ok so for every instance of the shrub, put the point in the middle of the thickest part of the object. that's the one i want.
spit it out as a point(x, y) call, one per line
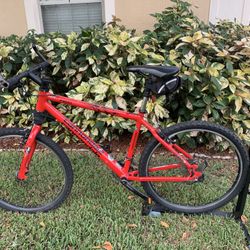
point(214, 62)
point(88, 66)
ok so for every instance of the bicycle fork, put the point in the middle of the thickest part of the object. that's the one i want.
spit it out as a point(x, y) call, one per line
point(29, 150)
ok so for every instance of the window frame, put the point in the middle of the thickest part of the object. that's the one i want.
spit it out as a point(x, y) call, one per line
point(215, 7)
point(34, 13)
point(55, 2)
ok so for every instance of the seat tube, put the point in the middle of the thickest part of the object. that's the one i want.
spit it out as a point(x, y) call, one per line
point(29, 150)
point(132, 146)
point(146, 95)
point(143, 108)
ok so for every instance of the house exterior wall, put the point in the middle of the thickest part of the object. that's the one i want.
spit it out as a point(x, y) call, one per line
point(135, 14)
point(12, 18)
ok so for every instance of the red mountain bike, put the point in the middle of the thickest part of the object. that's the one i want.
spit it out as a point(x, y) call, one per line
point(191, 167)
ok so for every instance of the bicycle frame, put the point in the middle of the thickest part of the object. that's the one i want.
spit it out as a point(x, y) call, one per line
point(44, 105)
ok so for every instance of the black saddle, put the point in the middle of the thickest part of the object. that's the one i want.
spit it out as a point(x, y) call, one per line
point(158, 71)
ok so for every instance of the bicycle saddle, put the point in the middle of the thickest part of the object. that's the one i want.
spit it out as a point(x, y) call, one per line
point(158, 71)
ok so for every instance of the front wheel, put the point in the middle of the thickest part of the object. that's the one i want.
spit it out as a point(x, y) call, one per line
point(50, 175)
point(220, 155)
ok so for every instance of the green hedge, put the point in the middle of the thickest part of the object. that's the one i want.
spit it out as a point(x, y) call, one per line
point(91, 66)
point(215, 64)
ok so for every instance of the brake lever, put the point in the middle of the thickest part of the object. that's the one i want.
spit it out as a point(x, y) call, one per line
point(38, 52)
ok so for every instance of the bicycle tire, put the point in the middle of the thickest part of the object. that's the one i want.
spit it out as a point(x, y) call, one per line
point(179, 132)
point(40, 175)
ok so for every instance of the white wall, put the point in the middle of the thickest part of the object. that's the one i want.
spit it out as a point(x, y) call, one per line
point(230, 9)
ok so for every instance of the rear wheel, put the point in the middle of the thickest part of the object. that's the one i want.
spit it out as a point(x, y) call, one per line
point(49, 179)
point(221, 158)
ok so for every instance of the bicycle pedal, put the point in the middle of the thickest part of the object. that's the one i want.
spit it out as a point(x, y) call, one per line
point(149, 210)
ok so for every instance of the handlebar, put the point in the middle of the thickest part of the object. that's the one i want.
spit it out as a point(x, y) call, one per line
point(14, 82)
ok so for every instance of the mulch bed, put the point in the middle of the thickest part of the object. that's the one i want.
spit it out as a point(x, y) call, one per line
point(120, 145)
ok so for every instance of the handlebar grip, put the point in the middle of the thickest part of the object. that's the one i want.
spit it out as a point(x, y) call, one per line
point(38, 52)
point(34, 47)
point(14, 82)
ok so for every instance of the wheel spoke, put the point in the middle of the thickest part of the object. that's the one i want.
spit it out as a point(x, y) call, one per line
point(219, 155)
point(46, 185)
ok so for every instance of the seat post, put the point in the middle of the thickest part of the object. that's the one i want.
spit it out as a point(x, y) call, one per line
point(146, 95)
point(144, 105)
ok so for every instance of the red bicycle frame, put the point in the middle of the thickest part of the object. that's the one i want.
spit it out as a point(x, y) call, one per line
point(44, 105)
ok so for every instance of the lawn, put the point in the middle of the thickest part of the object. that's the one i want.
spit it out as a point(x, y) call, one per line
point(101, 210)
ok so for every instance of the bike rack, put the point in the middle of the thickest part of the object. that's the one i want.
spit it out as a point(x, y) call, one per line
point(155, 210)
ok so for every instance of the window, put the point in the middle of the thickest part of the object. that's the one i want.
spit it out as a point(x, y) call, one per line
point(70, 15)
point(67, 15)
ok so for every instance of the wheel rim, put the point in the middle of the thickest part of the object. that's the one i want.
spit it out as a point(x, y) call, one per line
point(220, 181)
point(46, 177)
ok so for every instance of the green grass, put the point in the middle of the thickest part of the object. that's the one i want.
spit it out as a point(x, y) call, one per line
point(99, 209)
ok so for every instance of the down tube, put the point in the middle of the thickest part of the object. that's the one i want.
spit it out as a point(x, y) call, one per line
point(100, 152)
